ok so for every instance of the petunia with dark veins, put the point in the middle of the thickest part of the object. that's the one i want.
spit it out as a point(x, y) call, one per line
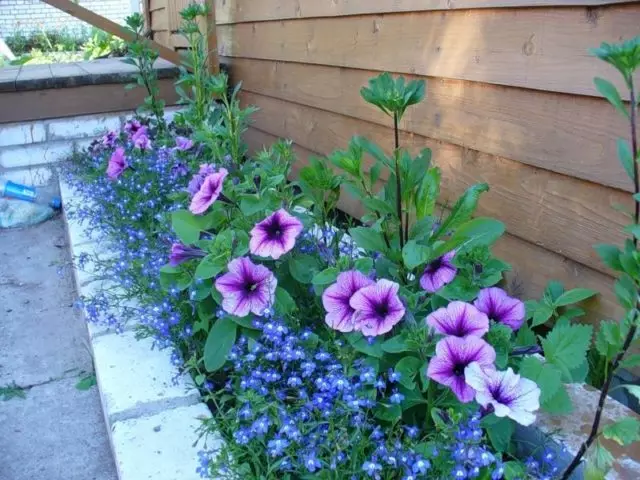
point(459, 319)
point(246, 288)
point(438, 273)
point(500, 307)
point(377, 308)
point(335, 300)
point(275, 235)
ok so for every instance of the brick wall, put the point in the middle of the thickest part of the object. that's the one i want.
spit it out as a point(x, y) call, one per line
point(29, 15)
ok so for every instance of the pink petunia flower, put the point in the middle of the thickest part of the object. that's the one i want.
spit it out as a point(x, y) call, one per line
point(209, 192)
point(377, 308)
point(117, 164)
point(132, 126)
point(508, 393)
point(500, 307)
point(109, 139)
point(181, 253)
point(335, 300)
point(459, 319)
point(275, 235)
point(246, 288)
point(438, 273)
point(183, 144)
point(453, 355)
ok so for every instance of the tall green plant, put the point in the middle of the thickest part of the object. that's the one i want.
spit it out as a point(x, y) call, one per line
point(614, 339)
point(142, 56)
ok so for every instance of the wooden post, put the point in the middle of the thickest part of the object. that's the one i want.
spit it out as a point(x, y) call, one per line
point(113, 28)
point(212, 40)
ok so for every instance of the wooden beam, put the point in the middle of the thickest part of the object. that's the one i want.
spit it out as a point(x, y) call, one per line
point(212, 40)
point(108, 26)
point(239, 11)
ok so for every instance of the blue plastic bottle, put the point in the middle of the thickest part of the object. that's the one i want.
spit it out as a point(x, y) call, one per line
point(28, 194)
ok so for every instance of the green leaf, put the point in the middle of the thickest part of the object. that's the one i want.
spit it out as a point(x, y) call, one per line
point(220, 340)
point(546, 376)
point(210, 266)
point(364, 265)
point(542, 314)
point(633, 230)
point(463, 209)
point(609, 339)
point(525, 337)
point(284, 302)
point(609, 91)
point(625, 431)
point(252, 204)
point(566, 346)
point(499, 337)
point(361, 344)
point(326, 276)
point(428, 193)
point(599, 462)
point(388, 412)
point(408, 367)
point(574, 296)
point(500, 431)
point(630, 362)
point(414, 254)
point(303, 267)
point(186, 226)
point(514, 470)
point(379, 205)
point(368, 239)
point(397, 344)
point(626, 157)
point(559, 404)
point(625, 290)
point(480, 231)
point(86, 382)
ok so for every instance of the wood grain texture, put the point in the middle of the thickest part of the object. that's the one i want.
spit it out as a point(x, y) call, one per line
point(543, 49)
point(562, 214)
point(573, 135)
point(174, 7)
point(157, 5)
point(533, 266)
point(160, 20)
point(70, 102)
point(238, 11)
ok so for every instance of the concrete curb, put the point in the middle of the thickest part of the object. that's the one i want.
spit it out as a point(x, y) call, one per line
point(151, 415)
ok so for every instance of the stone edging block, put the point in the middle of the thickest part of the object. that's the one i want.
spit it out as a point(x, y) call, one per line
point(152, 416)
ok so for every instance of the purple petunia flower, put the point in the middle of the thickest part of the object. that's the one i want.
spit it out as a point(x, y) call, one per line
point(500, 307)
point(181, 253)
point(140, 139)
point(509, 394)
point(275, 235)
point(132, 126)
point(246, 288)
point(453, 355)
point(377, 308)
point(459, 319)
point(117, 164)
point(183, 144)
point(196, 181)
point(209, 192)
point(438, 273)
point(335, 299)
point(109, 139)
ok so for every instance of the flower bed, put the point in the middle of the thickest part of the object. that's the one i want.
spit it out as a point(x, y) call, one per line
point(327, 347)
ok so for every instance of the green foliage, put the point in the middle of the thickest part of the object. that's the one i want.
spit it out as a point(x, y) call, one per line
point(12, 391)
point(86, 381)
point(221, 338)
point(625, 431)
point(142, 56)
point(391, 96)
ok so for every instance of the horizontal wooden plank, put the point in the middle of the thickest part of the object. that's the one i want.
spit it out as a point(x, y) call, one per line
point(159, 20)
point(157, 5)
point(543, 49)
point(533, 266)
point(560, 213)
point(238, 11)
point(573, 135)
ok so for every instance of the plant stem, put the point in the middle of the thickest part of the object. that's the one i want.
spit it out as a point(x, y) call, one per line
point(595, 427)
point(398, 180)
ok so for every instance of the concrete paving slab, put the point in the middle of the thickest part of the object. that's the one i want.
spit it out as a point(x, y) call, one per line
point(56, 433)
point(159, 447)
point(42, 335)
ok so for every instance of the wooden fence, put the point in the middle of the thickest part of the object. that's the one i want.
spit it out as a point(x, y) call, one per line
point(510, 102)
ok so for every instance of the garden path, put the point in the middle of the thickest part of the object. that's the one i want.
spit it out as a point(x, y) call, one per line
point(49, 428)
